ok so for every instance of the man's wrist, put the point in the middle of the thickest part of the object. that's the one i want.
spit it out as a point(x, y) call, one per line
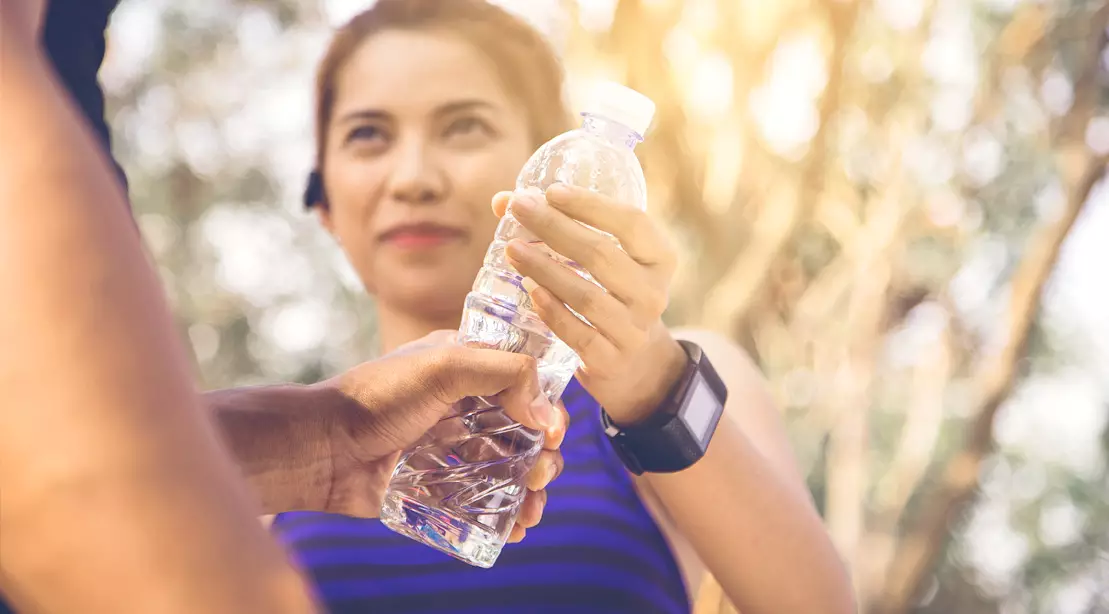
point(280, 437)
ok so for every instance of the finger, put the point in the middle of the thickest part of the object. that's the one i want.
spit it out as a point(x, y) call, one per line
point(546, 469)
point(595, 252)
point(608, 315)
point(531, 510)
point(640, 236)
point(500, 203)
point(516, 535)
point(593, 348)
point(555, 437)
point(457, 372)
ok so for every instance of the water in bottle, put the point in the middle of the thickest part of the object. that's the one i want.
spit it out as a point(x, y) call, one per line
point(460, 487)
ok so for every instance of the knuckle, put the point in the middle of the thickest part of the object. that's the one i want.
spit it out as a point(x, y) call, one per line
point(604, 251)
point(527, 368)
point(374, 433)
point(584, 301)
point(588, 298)
point(655, 303)
point(445, 369)
point(541, 216)
point(593, 254)
point(591, 346)
point(637, 339)
point(441, 356)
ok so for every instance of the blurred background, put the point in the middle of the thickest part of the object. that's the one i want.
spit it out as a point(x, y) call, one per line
point(896, 206)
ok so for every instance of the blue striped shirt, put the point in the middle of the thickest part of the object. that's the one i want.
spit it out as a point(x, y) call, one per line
point(596, 550)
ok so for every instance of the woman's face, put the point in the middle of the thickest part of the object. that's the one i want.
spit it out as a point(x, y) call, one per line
point(422, 135)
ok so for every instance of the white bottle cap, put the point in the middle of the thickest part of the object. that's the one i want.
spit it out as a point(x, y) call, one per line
point(621, 104)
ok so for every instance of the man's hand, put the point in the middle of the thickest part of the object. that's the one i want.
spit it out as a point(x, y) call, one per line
point(393, 401)
point(332, 446)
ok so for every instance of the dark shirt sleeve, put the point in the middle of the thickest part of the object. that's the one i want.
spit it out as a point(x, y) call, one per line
point(74, 39)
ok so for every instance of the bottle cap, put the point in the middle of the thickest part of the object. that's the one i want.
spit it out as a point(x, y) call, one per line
point(621, 104)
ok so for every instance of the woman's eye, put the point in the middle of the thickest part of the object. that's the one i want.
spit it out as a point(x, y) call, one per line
point(366, 133)
point(468, 128)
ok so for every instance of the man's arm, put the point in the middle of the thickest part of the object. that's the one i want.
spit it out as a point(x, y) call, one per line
point(116, 495)
point(279, 437)
point(332, 446)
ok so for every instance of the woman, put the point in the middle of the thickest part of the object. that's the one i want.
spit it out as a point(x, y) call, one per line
point(426, 108)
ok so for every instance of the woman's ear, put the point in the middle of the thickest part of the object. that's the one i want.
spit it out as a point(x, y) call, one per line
point(316, 199)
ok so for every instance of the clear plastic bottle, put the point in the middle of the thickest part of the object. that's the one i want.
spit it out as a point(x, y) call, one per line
point(460, 487)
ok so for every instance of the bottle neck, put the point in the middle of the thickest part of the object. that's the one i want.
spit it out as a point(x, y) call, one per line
point(612, 131)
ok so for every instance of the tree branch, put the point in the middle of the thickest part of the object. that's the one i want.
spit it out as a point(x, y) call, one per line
point(922, 542)
point(744, 281)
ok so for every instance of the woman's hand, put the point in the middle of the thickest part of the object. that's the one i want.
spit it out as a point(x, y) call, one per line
point(630, 361)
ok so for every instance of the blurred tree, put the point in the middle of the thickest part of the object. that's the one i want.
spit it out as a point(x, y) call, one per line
point(211, 107)
point(832, 169)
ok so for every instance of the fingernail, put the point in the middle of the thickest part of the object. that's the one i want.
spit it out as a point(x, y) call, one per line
point(529, 284)
point(543, 412)
point(552, 471)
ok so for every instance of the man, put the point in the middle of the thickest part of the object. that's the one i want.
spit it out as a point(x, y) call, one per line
point(116, 494)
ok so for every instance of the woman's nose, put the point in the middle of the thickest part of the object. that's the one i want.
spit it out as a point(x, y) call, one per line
point(416, 178)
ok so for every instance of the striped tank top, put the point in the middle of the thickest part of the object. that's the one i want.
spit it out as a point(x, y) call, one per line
point(597, 550)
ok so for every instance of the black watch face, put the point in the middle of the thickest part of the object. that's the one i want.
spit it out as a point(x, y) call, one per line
point(701, 410)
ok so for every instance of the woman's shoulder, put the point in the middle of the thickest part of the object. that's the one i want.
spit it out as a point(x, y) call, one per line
point(751, 404)
point(714, 344)
point(734, 365)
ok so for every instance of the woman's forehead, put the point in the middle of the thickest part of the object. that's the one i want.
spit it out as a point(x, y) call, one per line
point(417, 72)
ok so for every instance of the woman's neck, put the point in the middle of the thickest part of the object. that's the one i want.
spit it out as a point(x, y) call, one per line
point(399, 326)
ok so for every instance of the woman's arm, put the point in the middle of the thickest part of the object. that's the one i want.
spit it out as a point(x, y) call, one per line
point(744, 507)
point(116, 495)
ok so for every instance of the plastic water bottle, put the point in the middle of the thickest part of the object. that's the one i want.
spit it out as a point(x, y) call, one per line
point(460, 487)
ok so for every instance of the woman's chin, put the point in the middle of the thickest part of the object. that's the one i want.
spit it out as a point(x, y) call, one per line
point(427, 297)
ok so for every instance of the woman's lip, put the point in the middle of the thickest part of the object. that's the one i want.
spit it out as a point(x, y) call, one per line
point(421, 236)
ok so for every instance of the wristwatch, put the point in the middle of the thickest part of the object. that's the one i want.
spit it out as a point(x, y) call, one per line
point(677, 435)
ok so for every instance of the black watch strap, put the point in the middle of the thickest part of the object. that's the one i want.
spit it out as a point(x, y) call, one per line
point(677, 435)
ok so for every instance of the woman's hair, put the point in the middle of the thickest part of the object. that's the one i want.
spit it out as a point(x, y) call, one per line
point(527, 65)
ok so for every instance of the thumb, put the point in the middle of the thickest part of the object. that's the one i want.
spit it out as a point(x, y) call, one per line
point(500, 203)
point(457, 372)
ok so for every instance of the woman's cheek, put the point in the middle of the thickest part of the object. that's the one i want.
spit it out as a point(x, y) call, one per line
point(490, 170)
